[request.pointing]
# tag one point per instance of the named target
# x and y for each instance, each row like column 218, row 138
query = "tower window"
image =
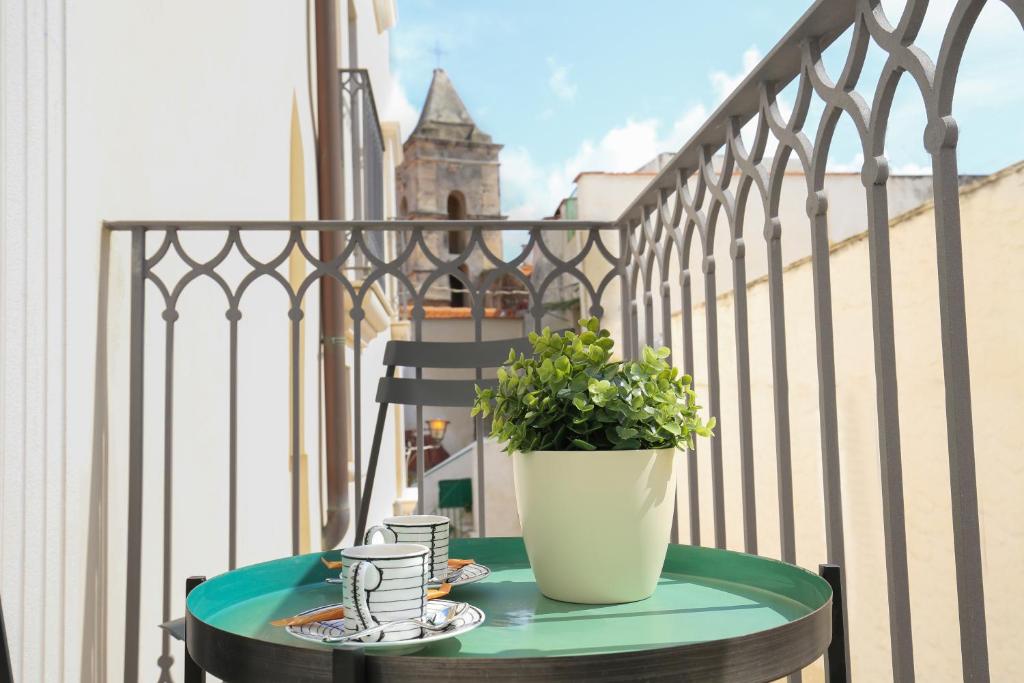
column 457, row 241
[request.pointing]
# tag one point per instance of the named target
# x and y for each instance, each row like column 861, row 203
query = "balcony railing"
column 366, row 140
column 690, row 198
column 216, row 267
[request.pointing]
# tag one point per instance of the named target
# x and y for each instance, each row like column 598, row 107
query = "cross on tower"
column 438, row 52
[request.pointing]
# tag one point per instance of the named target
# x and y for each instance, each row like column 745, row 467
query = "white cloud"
column 558, row 81
column 534, row 191
column 395, row 106
column 857, row 163
column 723, row 83
column 911, row 168
column 853, row 166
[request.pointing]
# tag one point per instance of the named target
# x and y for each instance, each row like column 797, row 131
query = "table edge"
column 762, row 656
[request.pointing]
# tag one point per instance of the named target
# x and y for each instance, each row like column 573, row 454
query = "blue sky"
column 594, row 85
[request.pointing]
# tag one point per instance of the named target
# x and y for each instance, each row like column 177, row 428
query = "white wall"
column 120, row 109
column 37, row 456
column 502, row 515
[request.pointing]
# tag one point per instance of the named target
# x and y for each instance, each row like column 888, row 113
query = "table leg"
column 348, row 665
column 836, row 667
column 193, row 672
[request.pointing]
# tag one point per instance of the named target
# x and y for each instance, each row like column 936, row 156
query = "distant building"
column 600, row 196
column 449, row 171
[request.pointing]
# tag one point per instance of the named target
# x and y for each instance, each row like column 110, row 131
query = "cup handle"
column 387, row 534
column 363, row 573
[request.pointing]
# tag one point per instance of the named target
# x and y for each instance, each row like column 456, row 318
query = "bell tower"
column 450, row 171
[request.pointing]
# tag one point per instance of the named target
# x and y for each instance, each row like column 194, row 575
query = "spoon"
column 452, row 575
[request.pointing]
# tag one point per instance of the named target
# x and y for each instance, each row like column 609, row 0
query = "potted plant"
column 593, row 443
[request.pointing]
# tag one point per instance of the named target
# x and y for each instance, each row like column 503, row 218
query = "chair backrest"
column 447, row 393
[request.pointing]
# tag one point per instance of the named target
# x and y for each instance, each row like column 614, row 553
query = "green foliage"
column 570, row 396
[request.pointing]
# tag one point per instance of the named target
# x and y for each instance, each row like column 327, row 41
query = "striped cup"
column 382, row 584
column 427, row 530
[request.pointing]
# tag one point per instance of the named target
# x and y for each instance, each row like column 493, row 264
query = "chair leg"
column 371, row 467
column 837, row 668
column 6, row 665
column 193, row 672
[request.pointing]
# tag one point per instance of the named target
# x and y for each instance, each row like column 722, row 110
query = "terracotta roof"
column 457, row 313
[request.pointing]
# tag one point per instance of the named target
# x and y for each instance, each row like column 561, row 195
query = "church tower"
column 450, row 171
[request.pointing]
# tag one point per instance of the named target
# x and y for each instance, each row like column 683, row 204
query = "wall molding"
column 33, row 336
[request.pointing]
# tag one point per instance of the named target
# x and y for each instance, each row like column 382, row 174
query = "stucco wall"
column 140, row 110
column 605, row 196
column 993, row 235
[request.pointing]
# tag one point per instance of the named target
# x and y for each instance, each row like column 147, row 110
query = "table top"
column 770, row 618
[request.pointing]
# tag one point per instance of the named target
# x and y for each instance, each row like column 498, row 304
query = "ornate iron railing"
column 691, row 197
column 163, row 257
column 646, row 255
column 364, row 136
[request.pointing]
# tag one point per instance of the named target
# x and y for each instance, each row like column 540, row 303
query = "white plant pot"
column 596, row 523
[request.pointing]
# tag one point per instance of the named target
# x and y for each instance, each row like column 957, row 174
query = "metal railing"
column 646, row 256
column 689, row 197
column 166, row 266
column 366, row 142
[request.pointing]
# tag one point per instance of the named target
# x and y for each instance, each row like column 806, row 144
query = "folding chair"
column 441, row 393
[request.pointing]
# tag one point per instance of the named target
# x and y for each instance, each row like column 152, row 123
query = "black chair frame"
column 446, row 393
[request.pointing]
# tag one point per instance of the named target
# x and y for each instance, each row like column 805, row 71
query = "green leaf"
column 566, row 395
column 626, row 432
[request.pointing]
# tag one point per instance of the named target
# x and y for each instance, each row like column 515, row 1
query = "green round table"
column 715, row 615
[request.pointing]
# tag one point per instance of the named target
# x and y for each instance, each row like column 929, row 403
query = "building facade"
column 106, row 117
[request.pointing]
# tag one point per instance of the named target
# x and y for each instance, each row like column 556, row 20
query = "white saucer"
column 318, row 630
column 471, row 573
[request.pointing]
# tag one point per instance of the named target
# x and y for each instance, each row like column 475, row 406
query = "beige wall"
column 993, row 231
column 605, row 196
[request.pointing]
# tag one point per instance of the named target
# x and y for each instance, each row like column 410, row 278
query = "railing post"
column 135, row 445
column 625, row 307
column 940, row 141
